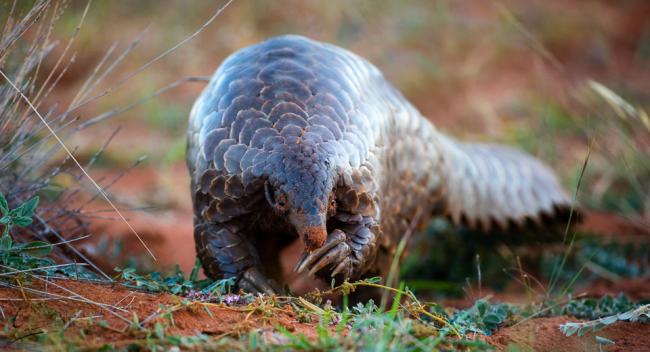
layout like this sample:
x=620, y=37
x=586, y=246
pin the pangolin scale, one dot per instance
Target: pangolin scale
x=297, y=138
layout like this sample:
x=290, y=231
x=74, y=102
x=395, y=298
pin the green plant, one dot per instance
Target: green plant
x=637, y=314
x=594, y=308
x=396, y=329
x=176, y=283
x=484, y=317
x=32, y=256
x=21, y=216
x=21, y=256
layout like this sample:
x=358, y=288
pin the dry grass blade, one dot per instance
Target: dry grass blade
x=146, y=65
x=14, y=272
x=85, y=90
x=178, y=45
x=83, y=170
x=73, y=297
x=21, y=27
x=60, y=59
x=394, y=265
x=109, y=308
x=91, y=81
x=116, y=111
x=311, y=306
x=623, y=109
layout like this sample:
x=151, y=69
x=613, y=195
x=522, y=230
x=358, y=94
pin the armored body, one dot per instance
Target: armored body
x=293, y=138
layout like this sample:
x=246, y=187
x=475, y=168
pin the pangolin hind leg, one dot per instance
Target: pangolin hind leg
x=226, y=252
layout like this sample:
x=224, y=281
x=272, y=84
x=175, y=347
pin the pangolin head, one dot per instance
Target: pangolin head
x=299, y=187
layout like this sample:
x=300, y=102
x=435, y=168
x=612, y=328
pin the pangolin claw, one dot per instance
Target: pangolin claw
x=302, y=259
x=308, y=259
x=344, y=267
x=253, y=281
x=335, y=255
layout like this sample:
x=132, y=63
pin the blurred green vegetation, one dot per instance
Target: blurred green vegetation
x=447, y=262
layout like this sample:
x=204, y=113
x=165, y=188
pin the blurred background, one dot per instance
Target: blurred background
x=522, y=73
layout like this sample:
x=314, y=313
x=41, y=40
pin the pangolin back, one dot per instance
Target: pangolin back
x=318, y=122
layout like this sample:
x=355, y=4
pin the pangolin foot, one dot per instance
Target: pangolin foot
x=334, y=254
x=253, y=281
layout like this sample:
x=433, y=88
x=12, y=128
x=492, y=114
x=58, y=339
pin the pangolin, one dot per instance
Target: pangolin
x=293, y=138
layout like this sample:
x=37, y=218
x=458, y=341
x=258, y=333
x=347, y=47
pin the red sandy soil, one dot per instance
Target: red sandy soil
x=543, y=334
x=117, y=306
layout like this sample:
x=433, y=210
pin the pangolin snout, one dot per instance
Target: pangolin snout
x=313, y=237
x=311, y=225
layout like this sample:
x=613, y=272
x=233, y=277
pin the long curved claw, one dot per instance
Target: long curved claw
x=334, y=239
x=344, y=267
x=344, y=254
x=333, y=256
x=304, y=257
x=253, y=281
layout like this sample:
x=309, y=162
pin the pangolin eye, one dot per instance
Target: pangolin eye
x=277, y=201
x=281, y=201
x=331, y=209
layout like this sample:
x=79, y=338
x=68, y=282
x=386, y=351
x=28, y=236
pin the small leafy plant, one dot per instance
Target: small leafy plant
x=21, y=216
x=20, y=256
x=176, y=283
x=595, y=308
x=484, y=317
x=641, y=313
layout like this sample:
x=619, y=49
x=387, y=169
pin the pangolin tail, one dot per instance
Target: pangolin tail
x=488, y=184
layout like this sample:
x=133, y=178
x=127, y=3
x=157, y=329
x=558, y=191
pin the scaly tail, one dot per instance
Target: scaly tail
x=490, y=184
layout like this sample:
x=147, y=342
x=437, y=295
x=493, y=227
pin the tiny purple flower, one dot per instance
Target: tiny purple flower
x=231, y=299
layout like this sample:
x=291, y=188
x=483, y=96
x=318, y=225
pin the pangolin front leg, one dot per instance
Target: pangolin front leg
x=348, y=252
x=225, y=252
